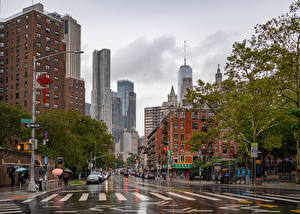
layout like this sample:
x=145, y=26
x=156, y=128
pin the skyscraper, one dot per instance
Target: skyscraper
x=126, y=92
x=218, y=75
x=101, y=108
x=117, y=129
x=185, y=79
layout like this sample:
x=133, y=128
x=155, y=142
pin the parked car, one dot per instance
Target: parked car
x=149, y=175
x=93, y=179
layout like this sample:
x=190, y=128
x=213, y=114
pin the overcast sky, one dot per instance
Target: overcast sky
x=146, y=37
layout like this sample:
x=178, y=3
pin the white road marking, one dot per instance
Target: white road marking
x=161, y=196
x=186, y=209
x=283, y=196
x=224, y=196
x=19, y=211
x=141, y=197
x=28, y=200
x=84, y=197
x=200, y=211
x=181, y=196
x=249, y=197
x=202, y=196
x=49, y=198
x=120, y=197
x=67, y=197
x=102, y=197
x=62, y=211
x=276, y=198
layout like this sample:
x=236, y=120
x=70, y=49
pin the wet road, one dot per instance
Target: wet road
x=132, y=195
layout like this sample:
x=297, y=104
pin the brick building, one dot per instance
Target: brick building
x=34, y=32
x=175, y=129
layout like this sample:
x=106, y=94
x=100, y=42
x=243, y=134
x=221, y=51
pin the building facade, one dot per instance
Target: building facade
x=33, y=32
x=101, y=106
x=117, y=129
x=88, y=109
x=128, y=144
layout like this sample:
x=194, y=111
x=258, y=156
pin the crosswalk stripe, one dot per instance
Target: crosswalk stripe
x=102, y=197
x=120, y=197
x=276, y=198
x=161, y=196
x=84, y=197
x=67, y=197
x=202, y=196
x=141, y=197
x=28, y=200
x=249, y=197
x=283, y=196
x=6, y=212
x=181, y=196
x=49, y=198
x=224, y=196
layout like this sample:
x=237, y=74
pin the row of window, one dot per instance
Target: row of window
x=194, y=115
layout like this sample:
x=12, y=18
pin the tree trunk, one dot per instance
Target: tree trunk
x=298, y=162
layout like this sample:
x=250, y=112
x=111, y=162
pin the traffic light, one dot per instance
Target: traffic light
x=19, y=147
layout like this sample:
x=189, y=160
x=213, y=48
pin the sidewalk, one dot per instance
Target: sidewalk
x=265, y=185
x=16, y=192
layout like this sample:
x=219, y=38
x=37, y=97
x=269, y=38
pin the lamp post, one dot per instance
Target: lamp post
x=32, y=186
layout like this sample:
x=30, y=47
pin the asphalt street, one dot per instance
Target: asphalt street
x=132, y=195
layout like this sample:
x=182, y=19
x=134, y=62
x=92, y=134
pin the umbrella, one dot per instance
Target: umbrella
x=21, y=169
x=67, y=170
x=57, y=171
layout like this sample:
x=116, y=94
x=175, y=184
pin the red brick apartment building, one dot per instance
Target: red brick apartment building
x=33, y=32
x=175, y=129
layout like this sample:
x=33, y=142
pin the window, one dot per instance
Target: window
x=48, y=21
x=182, y=159
x=25, y=93
x=1, y=35
x=1, y=71
x=48, y=30
x=232, y=149
x=25, y=84
x=56, y=87
x=224, y=149
x=209, y=148
x=26, y=46
x=175, y=114
x=56, y=97
x=48, y=95
x=38, y=54
x=175, y=137
x=181, y=147
x=38, y=102
x=56, y=60
x=1, y=53
x=56, y=33
x=47, y=105
x=56, y=51
x=17, y=76
x=175, y=159
x=37, y=112
x=18, y=21
x=195, y=115
x=48, y=39
x=56, y=69
x=17, y=86
x=38, y=35
x=195, y=126
x=56, y=42
x=56, y=78
x=38, y=16
x=47, y=48
x=26, y=17
x=39, y=26
x=175, y=126
x=38, y=44
x=17, y=95
x=56, y=24
x=182, y=126
x=216, y=148
x=38, y=93
x=26, y=27
x=25, y=102
x=25, y=74
x=175, y=147
x=182, y=114
x=47, y=67
x=1, y=90
x=1, y=44
x=55, y=106
x=38, y=64
x=182, y=137
x=1, y=26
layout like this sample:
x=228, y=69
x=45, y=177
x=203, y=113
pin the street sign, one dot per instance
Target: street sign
x=46, y=160
x=32, y=125
x=254, y=150
x=26, y=120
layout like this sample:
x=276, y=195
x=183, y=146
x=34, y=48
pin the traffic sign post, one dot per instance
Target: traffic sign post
x=32, y=125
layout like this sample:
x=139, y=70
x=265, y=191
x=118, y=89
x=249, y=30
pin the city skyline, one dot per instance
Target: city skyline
x=153, y=46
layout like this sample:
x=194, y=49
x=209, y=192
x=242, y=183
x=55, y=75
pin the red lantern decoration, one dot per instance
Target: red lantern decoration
x=43, y=80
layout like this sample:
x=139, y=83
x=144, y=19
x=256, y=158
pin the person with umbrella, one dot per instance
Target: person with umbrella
x=11, y=174
x=21, y=175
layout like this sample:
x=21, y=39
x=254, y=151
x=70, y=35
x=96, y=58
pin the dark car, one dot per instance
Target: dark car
x=93, y=179
x=149, y=175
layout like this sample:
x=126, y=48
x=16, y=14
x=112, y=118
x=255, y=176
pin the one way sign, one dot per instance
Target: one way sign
x=32, y=125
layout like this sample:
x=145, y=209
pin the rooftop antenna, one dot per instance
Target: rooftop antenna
x=32, y=2
x=184, y=52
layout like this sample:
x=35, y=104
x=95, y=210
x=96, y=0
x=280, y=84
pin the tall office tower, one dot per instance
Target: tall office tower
x=88, y=109
x=218, y=75
x=124, y=89
x=185, y=80
x=153, y=115
x=101, y=108
x=131, y=115
x=116, y=117
x=33, y=32
x=74, y=85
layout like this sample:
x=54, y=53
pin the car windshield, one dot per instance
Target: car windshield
x=93, y=176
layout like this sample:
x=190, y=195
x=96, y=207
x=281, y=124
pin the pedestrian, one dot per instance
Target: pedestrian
x=21, y=179
x=143, y=176
x=12, y=177
x=227, y=177
x=66, y=178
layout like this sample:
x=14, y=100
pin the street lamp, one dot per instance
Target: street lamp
x=32, y=186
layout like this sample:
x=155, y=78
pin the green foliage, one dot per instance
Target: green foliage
x=73, y=136
x=12, y=130
x=131, y=161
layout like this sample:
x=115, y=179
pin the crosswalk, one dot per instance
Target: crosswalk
x=10, y=207
x=173, y=195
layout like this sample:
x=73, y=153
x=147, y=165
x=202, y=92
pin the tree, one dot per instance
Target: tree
x=11, y=129
x=73, y=136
